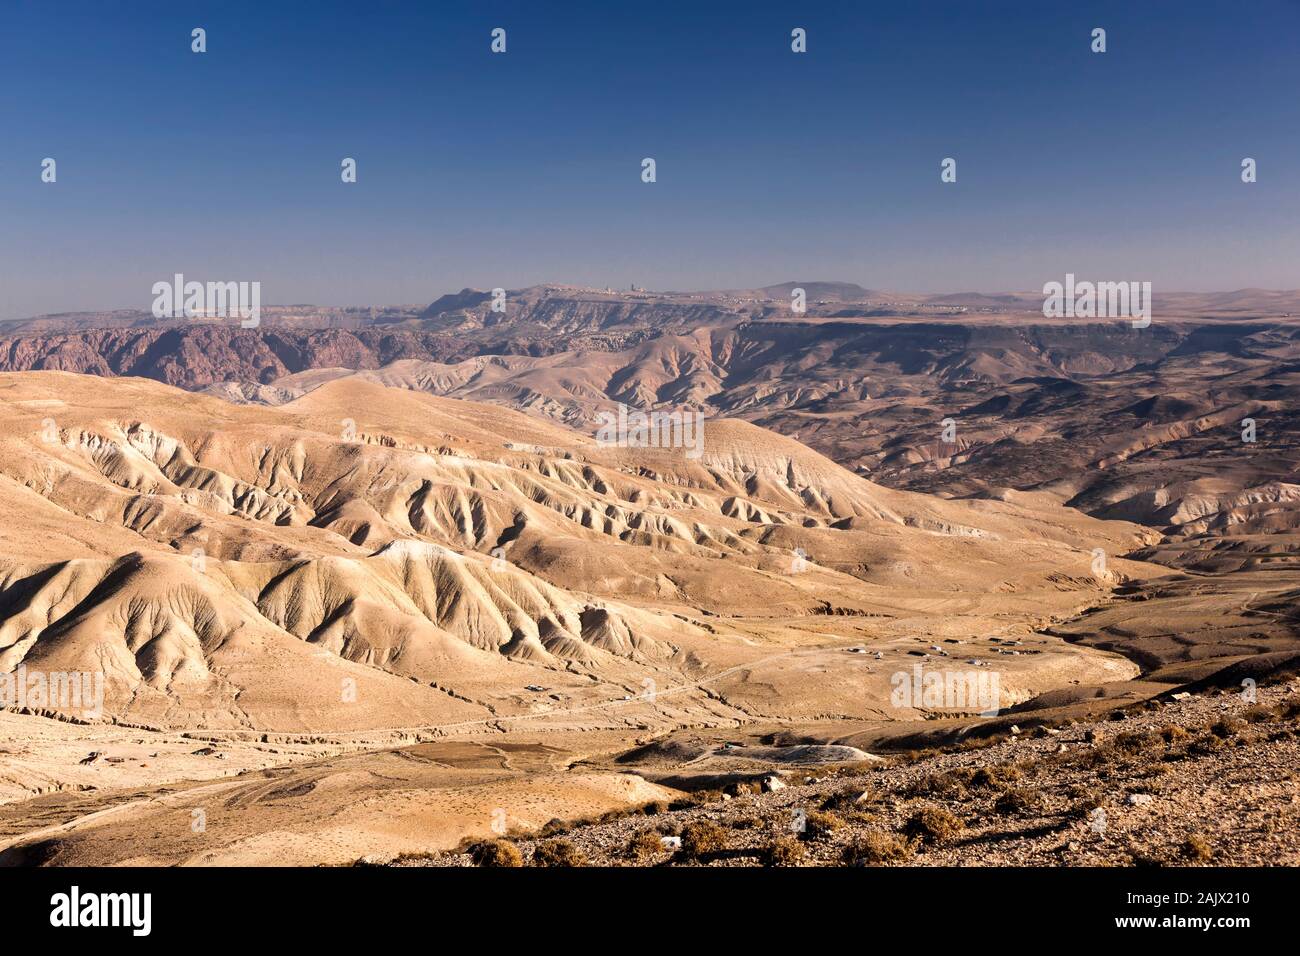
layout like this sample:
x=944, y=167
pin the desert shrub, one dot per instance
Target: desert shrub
x=848, y=798
x=916, y=756
x=1205, y=744
x=1289, y=709
x=1197, y=849
x=1227, y=727
x=819, y=824
x=748, y=821
x=1173, y=734
x=553, y=826
x=557, y=853
x=702, y=836
x=784, y=852
x=1090, y=758
x=655, y=808
x=852, y=804
x=858, y=816
x=950, y=784
x=1258, y=714
x=932, y=825
x=1135, y=741
x=615, y=814
x=996, y=777
x=1018, y=800
x=877, y=849
x=644, y=845
x=496, y=853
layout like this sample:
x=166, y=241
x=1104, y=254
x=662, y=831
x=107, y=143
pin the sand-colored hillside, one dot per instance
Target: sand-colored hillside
x=371, y=558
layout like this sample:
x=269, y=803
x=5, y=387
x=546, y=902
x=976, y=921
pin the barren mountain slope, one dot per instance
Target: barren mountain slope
x=1191, y=429
x=1140, y=424
x=332, y=564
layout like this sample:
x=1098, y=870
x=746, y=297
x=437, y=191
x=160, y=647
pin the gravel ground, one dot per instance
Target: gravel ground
x=1210, y=779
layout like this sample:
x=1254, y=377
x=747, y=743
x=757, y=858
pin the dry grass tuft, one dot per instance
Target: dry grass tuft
x=496, y=853
x=933, y=825
x=819, y=824
x=557, y=853
x=948, y=785
x=701, y=837
x=644, y=846
x=877, y=849
x=1197, y=849
x=1018, y=800
x=1173, y=734
x=784, y=852
x=996, y=777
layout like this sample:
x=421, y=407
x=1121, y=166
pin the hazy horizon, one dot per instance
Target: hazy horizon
x=477, y=169
x=425, y=301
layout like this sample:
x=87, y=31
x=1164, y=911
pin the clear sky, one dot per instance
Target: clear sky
x=486, y=170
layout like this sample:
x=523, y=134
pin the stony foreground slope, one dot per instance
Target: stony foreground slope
x=1210, y=778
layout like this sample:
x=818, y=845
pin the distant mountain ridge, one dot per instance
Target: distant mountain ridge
x=572, y=307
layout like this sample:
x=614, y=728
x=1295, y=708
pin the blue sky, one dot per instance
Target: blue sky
x=504, y=170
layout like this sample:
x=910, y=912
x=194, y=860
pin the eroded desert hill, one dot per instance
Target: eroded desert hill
x=1190, y=429
x=1143, y=425
x=367, y=557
